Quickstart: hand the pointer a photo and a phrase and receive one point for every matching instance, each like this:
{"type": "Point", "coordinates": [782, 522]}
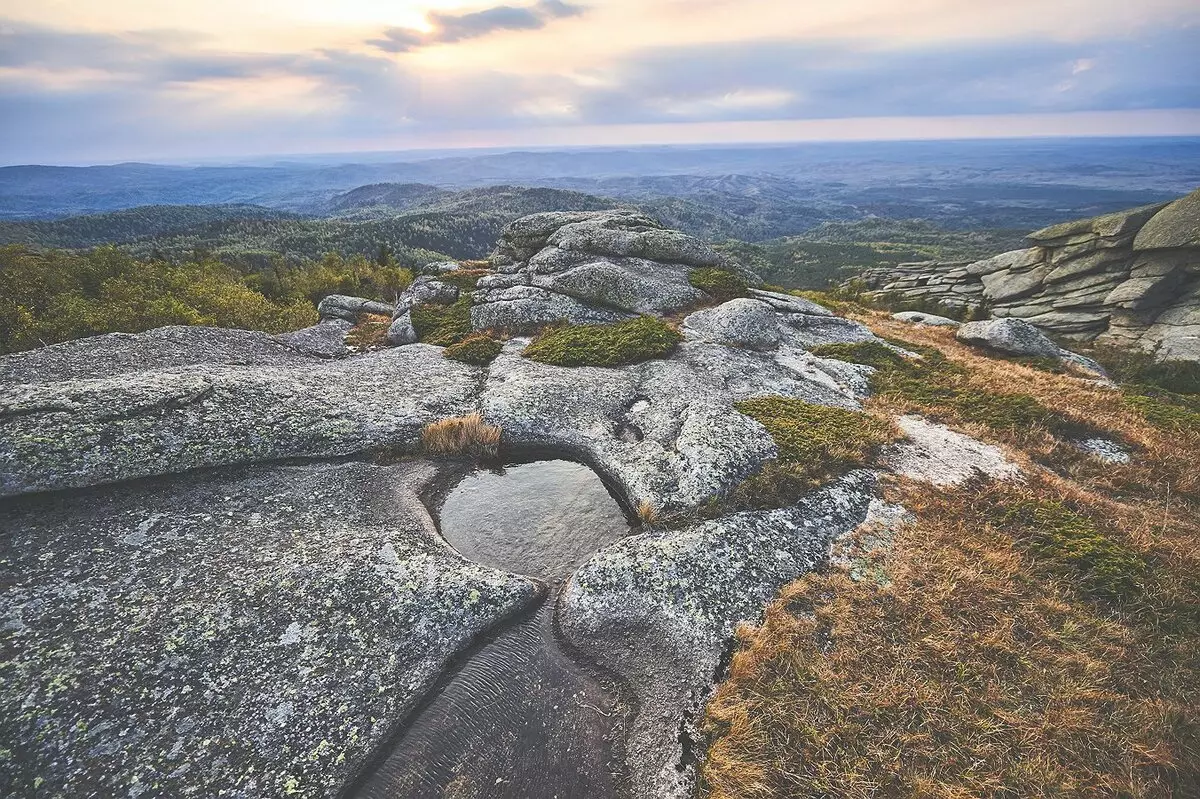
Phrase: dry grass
{"type": "Point", "coordinates": [647, 513]}
{"type": "Point", "coordinates": [463, 435]}
{"type": "Point", "coordinates": [1030, 639]}
{"type": "Point", "coordinates": [370, 333]}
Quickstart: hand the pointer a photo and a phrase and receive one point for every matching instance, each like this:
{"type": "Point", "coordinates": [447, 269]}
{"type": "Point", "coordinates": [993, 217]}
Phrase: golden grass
{"type": "Point", "coordinates": [1035, 638]}
{"type": "Point", "coordinates": [370, 332]}
{"type": "Point", "coordinates": [647, 513]}
{"type": "Point", "coordinates": [463, 435]}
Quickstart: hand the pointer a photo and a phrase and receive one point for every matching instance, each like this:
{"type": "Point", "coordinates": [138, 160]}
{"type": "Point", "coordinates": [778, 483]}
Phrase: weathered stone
{"type": "Point", "coordinates": [326, 339]}
{"type": "Point", "coordinates": [938, 455]}
{"type": "Point", "coordinates": [629, 284]}
{"type": "Point", "coordinates": [525, 308]}
{"type": "Point", "coordinates": [1084, 265]}
{"type": "Point", "coordinates": [1118, 224]}
{"type": "Point", "coordinates": [1009, 285]}
{"type": "Point", "coordinates": [813, 331]}
{"type": "Point", "coordinates": [1013, 336]}
{"type": "Point", "coordinates": [788, 303]}
{"type": "Point", "coordinates": [1176, 225]}
{"type": "Point", "coordinates": [430, 290]}
{"type": "Point", "coordinates": [402, 331]}
{"type": "Point", "coordinates": [339, 306]}
{"type": "Point", "coordinates": [253, 632]}
{"type": "Point", "coordinates": [919, 318]}
{"type": "Point", "coordinates": [660, 610]}
{"type": "Point", "coordinates": [738, 323]}
{"type": "Point", "coordinates": [1017, 260]}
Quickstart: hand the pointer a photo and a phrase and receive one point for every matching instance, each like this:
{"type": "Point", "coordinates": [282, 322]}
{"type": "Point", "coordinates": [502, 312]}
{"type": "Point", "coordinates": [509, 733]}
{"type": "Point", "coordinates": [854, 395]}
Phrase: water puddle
{"type": "Point", "coordinates": [522, 718]}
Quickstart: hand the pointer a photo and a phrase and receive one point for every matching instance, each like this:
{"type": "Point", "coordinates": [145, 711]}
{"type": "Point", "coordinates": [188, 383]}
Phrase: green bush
{"type": "Point", "coordinates": [1056, 535]}
{"type": "Point", "coordinates": [477, 350]}
{"type": "Point", "coordinates": [632, 341]}
{"type": "Point", "coordinates": [720, 284]}
{"type": "Point", "coordinates": [443, 325]}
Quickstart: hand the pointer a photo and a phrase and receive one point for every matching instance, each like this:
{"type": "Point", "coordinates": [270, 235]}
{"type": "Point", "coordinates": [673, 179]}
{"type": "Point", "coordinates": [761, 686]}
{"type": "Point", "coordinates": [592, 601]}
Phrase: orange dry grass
{"type": "Point", "coordinates": [463, 435]}
{"type": "Point", "coordinates": [983, 669]}
{"type": "Point", "coordinates": [976, 672]}
{"type": "Point", "coordinates": [370, 332]}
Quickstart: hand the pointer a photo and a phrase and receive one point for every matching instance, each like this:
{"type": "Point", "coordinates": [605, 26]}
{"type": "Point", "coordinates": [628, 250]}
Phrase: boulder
{"type": "Point", "coordinates": [737, 323]}
{"type": "Point", "coordinates": [1013, 336]}
{"type": "Point", "coordinates": [628, 284]}
{"type": "Point", "coordinates": [928, 319]}
{"type": "Point", "coordinates": [1177, 225]}
{"type": "Point", "coordinates": [523, 309]}
{"type": "Point", "coordinates": [401, 331]}
{"type": "Point", "coordinates": [788, 303]}
{"type": "Point", "coordinates": [326, 339]}
{"type": "Point", "coordinates": [430, 290]}
{"type": "Point", "coordinates": [249, 632]}
{"type": "Point", "coordinates": [339, 306]}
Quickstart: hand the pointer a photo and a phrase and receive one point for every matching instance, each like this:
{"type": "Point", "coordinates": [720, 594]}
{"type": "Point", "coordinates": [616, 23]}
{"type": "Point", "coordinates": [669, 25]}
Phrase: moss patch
{"type": "Point", "coordinates": [721, 284]}
{"type": "Point", "coordinates": [1165, 409]}
{"type": "Point", "coordinates": [815, 443]}
{"type": "Point", "coordinates": [478, 350]}
{"type": "Point", "coordinates": [443, 325]}
{"type": "Point", "coordinates": [633, 341]}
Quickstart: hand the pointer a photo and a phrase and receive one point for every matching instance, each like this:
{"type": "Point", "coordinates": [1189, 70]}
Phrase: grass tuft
{"type": "Point", "coordinates": [464, 279]}
{"type": "Point", "coordinates": [443, 325]}
{"type": "Point", "coordinates": [632, 341]}
{"type": "Point", "coordinates": [720, 284]}
{"type": "Point", "coordinates": [647, 513]}
{"type": "Point", "coordinates": [463, 435]}
{"type": "Point", "coordinates": [477, 350]}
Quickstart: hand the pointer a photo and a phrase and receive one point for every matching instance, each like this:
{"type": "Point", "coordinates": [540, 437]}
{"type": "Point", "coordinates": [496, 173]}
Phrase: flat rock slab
{"type": "Point", "coordinates": [659, 609]}
{"type": "Point", "coordinates": [936, 454]}
{"type": "Point", "coordinates": [253, 633]}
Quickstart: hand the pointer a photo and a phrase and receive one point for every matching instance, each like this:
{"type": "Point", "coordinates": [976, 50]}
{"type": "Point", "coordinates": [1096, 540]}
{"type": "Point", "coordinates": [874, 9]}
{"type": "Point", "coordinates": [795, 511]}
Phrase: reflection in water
{"type": "Point", "coordinates": [521, 719]}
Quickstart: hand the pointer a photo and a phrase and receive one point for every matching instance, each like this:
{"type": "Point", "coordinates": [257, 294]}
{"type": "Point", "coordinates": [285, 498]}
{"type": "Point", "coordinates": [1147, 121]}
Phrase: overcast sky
{"type": "Point", "coordinates": [172, 79]}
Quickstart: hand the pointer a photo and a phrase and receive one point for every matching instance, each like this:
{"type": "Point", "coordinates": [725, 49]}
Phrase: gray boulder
{"type": "Point", "coordinates": [523, 309]}
{"type": "Point", "coordinates": [401, 331]}
{"type": "Point", "coordinates": [788, 303]}
{"type": "Point", "coordinates": [1177, 225]}
{"type": "Point", "coordinates": [660, 609]}
{"type": "Point", "coordinates": [928, 319]}
{"type": "Point", "coordinates": [339, 306]}
{"type": "Point", "coordinates": [738, 323]}
{"type": "Point", "coordinates": [1013, 336]}
{"type": "Point", "coordinates": [326, 339]}
{"type": "Point", "coordinates": [430, 290]}
{"type": "Point", "coordinates": [249, 633]}
{"type": "Point", "coordinates": [629, 284]}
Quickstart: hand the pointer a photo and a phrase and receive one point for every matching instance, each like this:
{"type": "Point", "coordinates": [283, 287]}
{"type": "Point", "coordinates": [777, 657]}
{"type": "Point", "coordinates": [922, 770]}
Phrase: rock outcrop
{"type": "Point", "coordinates": [214, 584]}
{"type": "Point", "coordinates": [1130, 278]}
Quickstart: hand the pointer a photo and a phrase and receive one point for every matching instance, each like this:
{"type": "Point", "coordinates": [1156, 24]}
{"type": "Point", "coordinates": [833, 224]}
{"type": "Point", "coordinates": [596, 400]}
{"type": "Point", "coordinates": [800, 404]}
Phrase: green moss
{"type": "Point", "coordinates": [443, 325]}
{"type": "Point", "coordinates": [721, 284]}
{"type": "Point", "coordinates": [1057, 536]}
{"type": "Point", "coordinates": [633, 341]}
{"type": "Point", "coordinates": [1164, 409]}
{"type": "Point", "coordinates": [478, 350]}
{"type": "Point", "coordinates": [464, 279]}
{"type": "Point", "coordinates": [815, 443]}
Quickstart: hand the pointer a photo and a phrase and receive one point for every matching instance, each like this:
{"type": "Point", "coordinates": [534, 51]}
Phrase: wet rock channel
{"type": "Point", "coordinates": [523, 715]}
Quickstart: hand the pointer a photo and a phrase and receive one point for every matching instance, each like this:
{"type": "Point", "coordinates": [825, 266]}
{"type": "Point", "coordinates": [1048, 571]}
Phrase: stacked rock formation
{"type": "Point", "coordinates": [1130, 278]}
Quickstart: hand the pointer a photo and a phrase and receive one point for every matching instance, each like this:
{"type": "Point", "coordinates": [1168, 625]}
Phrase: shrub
{"type": "Point", "coordinates": [370, 332]}
{"type": "Point", "coordinates": [478, 350]}
{"type": "Point", "coordinates": [721, 284]}
{"type": "Point", "coordinates": [632, 341]}
{"type": "Point", "coordinates": [463, 435]}
{"type": "Point", "coordinates": [815, 443]}
{"type": "Point", "coordinates": [443, 325]}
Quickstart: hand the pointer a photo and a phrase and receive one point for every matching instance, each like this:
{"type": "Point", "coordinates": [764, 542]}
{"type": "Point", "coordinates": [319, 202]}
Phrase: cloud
{"type": "Point", "coordinates": [448, 28]}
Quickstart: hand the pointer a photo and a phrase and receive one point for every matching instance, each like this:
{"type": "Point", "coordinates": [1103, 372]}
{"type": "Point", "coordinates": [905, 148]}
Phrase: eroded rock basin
{"type": "Point", "coordinates": [524, 716]}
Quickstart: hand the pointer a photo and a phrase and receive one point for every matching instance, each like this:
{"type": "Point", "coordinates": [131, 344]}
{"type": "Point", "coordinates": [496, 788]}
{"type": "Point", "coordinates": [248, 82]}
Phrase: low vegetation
{"type": "Point", "coordinates": [51, 296]}
{"type": "Point", "coordinates": [369, 333]}
{"type": "Point", "coordinates": [463, 435]}
{"type": "Point", "coordinates": [720, 284]}
{"type": "Point", "coordinates": [464, 279]}
{"type": "Point", "coordinates": [815, 442]}
{"type": "Point", "coordinates": [632, 341]}
{"type": "Point", "coordinates": [443, 325]}
{"type": "Point", "coordinates": [477, 350]}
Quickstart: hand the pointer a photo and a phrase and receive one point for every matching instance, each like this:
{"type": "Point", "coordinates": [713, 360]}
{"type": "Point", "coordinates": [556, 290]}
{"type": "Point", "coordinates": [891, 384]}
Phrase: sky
{"type": "Point", "coordinates": [115, 80]}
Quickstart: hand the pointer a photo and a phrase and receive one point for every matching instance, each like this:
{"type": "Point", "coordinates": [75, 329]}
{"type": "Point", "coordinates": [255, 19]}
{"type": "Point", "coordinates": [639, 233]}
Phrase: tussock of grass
{"type": "Point", "coordinates": [815, 443]}
{"type": "Point", "coordinates": [463, 435]}
{"type": "Point", "coordinates": [720, 284]}
{"type": "Point", "coordinates": [632, 341]}
{"type": "Point", "coordinates": [647, 513]}
{"type": "Point", "coordinates": [370, 332]}
{"type": "Point", "coordinates": [477, 350]}
{"type": "Point", "coordinates": [988, 666]}
{"type": "Point", "coordinates": [443, 325]}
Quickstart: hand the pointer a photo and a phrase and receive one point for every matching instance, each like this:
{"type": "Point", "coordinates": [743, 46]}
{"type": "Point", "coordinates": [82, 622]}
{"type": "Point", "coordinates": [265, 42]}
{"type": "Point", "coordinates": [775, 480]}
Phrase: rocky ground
{"type": "Point", "coordinates": [214, 583]}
